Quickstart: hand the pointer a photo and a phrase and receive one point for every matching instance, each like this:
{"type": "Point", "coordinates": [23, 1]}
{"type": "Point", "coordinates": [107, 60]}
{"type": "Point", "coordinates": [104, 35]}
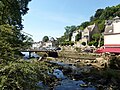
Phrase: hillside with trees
{"type": "Point", "coordinates": [99, 18]}
{"type": "Point", "coordinates": [101, 15]}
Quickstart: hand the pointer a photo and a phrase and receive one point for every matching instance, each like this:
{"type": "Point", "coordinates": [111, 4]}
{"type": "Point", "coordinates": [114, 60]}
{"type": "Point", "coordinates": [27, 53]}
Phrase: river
{"type": "Point", "coordinates": [67, 83]}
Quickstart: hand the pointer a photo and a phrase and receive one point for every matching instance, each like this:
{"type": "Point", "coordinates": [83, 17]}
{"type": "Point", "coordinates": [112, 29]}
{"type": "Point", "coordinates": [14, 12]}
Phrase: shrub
{"type": "Point", "coordinates": [67, 43]}
{"type": "Point", "coordinates": [110, 73]}
{"type": "Point", "coordinates": [71, 43]}
{"type": "Point", "coordinates": [84, 43]}
{"type": "Point", "coordinates": [78, 49]}
{"type": "Point", "coordinates": [95, 43]}
{"type": "Point", "coordinates": [90, 43]}
{"type": "Point", "coordinates": [21, 75]}
{"type": "Point", "coordinates": [114, 62]}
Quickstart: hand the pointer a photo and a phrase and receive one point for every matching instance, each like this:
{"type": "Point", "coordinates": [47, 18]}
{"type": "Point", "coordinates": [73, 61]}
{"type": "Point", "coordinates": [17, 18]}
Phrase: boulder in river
{"type": "Point", "coordinates": [59, 74]}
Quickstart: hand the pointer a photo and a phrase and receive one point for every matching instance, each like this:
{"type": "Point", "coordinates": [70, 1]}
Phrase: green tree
{"type": "Point", "coordinates": [95, 43]}
{"type": "Point", "coordinates": [91, 43]}
{"type": "Point", "coordinates": [69, 31]}
{"type": "Point", "coordinates": [15, 73]}
{"type": "Point", "coordinates": [96, 37]}
{"type": "Point", "coordinates": [45, 39]}
{"type": "Point", "coordinates": [61, 40]}
{"type": "Point", "coordinates": [98, 13]}
{"type": "Point", "coordinates": [11, 12]}
{"type": "Point", "coordinates": [84, 25]}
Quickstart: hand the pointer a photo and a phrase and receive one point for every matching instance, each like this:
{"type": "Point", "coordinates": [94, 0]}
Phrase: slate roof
{"type": "Point", "coordinates": [90, 27]}
{"type": "Point", "coordinates": [109, 29]}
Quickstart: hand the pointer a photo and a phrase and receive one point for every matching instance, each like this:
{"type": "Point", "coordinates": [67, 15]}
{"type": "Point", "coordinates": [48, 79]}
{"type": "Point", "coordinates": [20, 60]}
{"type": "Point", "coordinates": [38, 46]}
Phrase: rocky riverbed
{"type": "Point", "coordinates": [85, 70]}
{"type": "Point", "coordinates": [93, 69]}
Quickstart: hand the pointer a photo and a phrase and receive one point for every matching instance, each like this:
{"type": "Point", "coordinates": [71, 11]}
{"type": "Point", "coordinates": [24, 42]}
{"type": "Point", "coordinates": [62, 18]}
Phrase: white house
{"type": "Point", "coordinates": [49, 44]}
{"type": "Point", "coordinates": [112, 35]}
{"type": "Point", "coordinates": [74, 34]}
{"type": "Point", "coordinates": [37, 45]}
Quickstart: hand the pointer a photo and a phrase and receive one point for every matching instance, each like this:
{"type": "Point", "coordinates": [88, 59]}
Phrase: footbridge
{"type": "Point", "coordinates": [51, 53]}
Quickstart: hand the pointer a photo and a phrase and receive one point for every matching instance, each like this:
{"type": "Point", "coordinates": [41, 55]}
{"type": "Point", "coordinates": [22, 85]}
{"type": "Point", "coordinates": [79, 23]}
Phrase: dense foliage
{"type": "Point", "coordinates": [11, 38]}
{"type": "Point", "coordinates": [101, 15]}
{"type": "Point", "coordinates": [67, 43]}
{"type": "Point", "coordinates": [11, 12]}
{"type": "Point", "coordinates": [15, 73]}
{"type": "Point", "coordinates": [84, 25]}
{"type": "Point", "coordinates": [22, 75]}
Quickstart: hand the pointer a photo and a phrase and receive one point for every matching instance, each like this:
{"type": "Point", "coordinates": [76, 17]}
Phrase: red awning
{"type": "Point", "coordinates": [111, 50]}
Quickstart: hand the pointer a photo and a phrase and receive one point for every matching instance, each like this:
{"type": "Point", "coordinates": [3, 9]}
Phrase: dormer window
{"type": "Point", "coordinates": [110, 31]}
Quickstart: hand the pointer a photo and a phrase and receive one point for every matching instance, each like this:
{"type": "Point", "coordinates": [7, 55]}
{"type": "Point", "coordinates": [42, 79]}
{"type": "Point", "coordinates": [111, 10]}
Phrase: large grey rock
{"type": "Point", "coordinates": [73, 85]}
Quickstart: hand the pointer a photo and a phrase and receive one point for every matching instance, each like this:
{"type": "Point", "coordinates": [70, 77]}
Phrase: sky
{"type": "Point", "coordinates": [50, 17]}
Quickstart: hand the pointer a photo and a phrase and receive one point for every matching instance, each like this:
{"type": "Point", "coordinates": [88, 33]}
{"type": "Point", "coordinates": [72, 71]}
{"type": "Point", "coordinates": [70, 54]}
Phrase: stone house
{"type": "Point", "coordinates": [88, 32]}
